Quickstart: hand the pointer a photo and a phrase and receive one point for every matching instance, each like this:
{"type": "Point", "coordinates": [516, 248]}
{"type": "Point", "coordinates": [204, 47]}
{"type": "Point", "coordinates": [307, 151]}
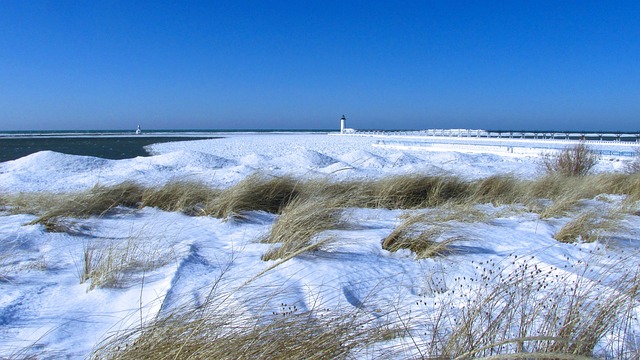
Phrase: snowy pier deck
{"type": "Point", "coordinates": [533, 135]}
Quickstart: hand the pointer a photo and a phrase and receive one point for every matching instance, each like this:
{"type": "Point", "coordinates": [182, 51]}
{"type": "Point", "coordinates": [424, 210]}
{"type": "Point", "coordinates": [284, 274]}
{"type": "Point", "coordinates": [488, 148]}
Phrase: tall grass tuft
{"type": "Point", "coordinates": [96, 201]}
{"type": "Point", "coordinates": [498, 190]}
{"type": "Point", "coordinates": [34, 203]}
{"type": "Point", "coordinates": [425, 240]}
{"type": "Point", "coordinates": [408, 192]}
{"type": "Point", "coordinates": [563, 192]}
{"type": "Point", "coordinates": [185, 196]}
{"type": "Point", "coordinates": [566, 192]}
{"type": "Point", "coordinates": [256, 192]}
{"type": "Point", "coordinates": [588, 226]}
{"type": "Point", "coordinates": [4, 202]}
{"type": "Point", "coordinates": [352, 193]}
{"type": "Point", "coordinates": [114, 264]}
{"type": "Point", "coordinates": [575, 160]}
{"type": "Point", "coordinates": [465, 212]}
{"type": "Point", "coordinates": [216, 334]}
{"type": "Point", "coordinates": [300, 224]}
{"type": "Point", "coordinates": [634, 187]}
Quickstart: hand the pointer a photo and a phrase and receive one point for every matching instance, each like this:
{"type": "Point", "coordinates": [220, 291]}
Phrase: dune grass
{"type": "Point", "coordinates": [33, 203]}
{"type": "Point", "coordinates": [407, 192]}
{"type": "Point", "coordinates": [589, 226]}
{"type": "Point", "coordinates": [255, 192]}
{"type": "Point", "coordinates": [514, 309]}
{"type": "Point", "coordinates": [528, 312]}
{"type": "Point", "coordinates": [300, 224]}
{"type": "Point", "coordinates": [4, 202]}
{"type": "Point", "coordinates": [466, 212]}
{"type": "Point", "coordinates": [273, 194]}
{"type": "Point", "coordinates": [115, 263]}
{"type": "Point", "coordinates": [497, 190]}
{"type": "Point", "coordinates": [565, 192]}
{"type": "Point", "coordinates": [521, 312]}
{"type": "Point", "coordinates": [424, 238]}
{"type": "Point", "coordinates": [189, 197]}
{"type": "Point", "coordinates": [308, 208]}
{"type": "Point", "coordinates": [96, 201]}
{"type": "Point", "coordinates": [216, 334]}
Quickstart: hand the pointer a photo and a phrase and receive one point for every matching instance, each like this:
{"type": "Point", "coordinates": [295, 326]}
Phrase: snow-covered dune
{"type": "Point", "coordinates": [221, 162]}
{"type": "Point", "coordinates": [46, 311]}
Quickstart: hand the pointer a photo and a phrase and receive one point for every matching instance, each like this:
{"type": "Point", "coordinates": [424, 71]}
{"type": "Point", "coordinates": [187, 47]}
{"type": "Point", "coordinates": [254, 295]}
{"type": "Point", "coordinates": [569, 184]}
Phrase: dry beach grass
{"type": "Point", "coordinates": [214, 332]}
{"type": "Point", "coordinates": [299, 225]}
{"type": "Point", "coordinates": [515, 311]}
{"type": "Point", "coordinates": [115, 263]}
{"type": "Point", "coordinates": [256, 192]}
{"type": "Point", "coordinates": [189, 197]}
{"type": "Point", "coordinates": [423, 237]}
{"type": "Point", "coordinates": [550, 196]}
{"type": "Point", "coordinates": [515, 308]}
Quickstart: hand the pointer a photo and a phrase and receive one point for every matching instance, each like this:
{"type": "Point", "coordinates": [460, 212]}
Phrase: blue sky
{"type": "Point", "coordinates": [534, 65]}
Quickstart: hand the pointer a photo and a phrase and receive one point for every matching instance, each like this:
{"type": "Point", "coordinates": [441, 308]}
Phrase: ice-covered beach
{"type": "Point", "coordinates": [48, 311]}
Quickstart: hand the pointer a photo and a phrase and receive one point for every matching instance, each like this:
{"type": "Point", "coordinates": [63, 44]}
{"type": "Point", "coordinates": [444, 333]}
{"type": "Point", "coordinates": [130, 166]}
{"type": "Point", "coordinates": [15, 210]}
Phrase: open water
{"type": "Point", "coordinates": [104, 144]}
{"type": "Point", "coordinates": [104, 147]}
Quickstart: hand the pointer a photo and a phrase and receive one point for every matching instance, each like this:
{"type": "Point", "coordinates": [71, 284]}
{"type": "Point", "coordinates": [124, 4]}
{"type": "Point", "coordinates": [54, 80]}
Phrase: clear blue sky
{"type": "Point", "coordinates": [537, 64]}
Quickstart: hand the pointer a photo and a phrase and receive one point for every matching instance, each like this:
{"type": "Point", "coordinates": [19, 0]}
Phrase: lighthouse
{"type": "Point", "coordinates": [343, 124]}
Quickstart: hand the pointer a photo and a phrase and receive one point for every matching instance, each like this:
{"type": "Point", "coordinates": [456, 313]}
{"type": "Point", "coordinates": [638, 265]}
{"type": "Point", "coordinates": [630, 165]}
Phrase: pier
{"type": "Point", "coordinates": [513, 142]}
{"type": "Point", "coordinates": [533, 135]}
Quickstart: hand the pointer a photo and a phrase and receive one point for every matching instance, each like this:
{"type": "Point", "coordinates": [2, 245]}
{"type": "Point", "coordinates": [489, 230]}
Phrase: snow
{"type": "Point", "coordinates": [46, 311]}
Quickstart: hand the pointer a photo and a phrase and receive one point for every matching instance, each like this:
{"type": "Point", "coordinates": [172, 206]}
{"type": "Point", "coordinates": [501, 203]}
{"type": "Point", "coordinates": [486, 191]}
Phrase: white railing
{"type": "Point", "coordinates": [596, 138]}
